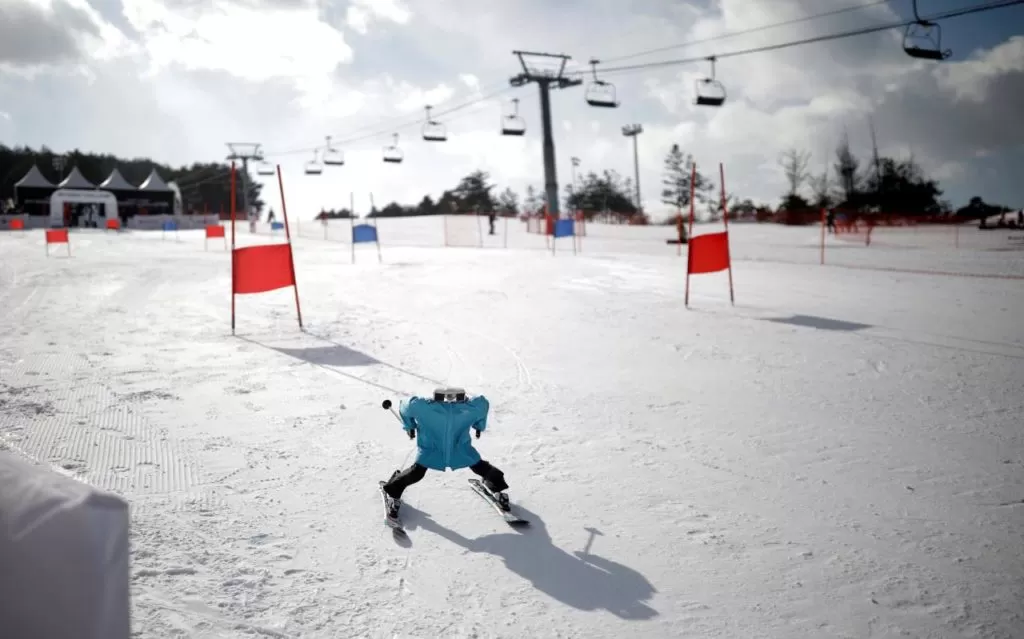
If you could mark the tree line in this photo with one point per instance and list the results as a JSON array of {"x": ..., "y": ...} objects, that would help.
[
  {"x": 883, "y": 185},
  {"x": 201, "y": 184}
]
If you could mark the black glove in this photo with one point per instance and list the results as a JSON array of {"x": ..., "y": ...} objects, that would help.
[
  {"x": 477, "y": 432},
  {"x": 412, "y": 433}
]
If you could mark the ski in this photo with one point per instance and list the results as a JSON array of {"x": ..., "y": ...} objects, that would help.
[
  {"x": 392, "y": 522},
  {"x": 510, "y": 518}
]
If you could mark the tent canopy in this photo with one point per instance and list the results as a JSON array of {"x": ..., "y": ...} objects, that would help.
[
  {"x": 75, "y": 180},
  {"x": 34, "y": 180},
  {"x": 116, "y": 182},
  {"x": 155, "y": 184}
]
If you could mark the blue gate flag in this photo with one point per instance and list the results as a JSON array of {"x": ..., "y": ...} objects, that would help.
[
  {"x": 564, "y": 228},
  {"x": 364, "y": 233}
]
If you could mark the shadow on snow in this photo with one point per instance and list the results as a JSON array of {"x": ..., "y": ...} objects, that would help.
[{"x": 578, "y": 579}]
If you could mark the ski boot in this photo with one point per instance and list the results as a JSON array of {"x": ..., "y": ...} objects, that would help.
[
  {"x": 393, "y": 505},
  {"x": 499, "y": 496}
]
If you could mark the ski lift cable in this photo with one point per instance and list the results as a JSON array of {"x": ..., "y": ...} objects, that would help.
[
  {"x": 740, "y": 32},
  {"x": 990, "y": 6},
  {"x": 625, "y": 69},
  {"x": 380, "y": 129},
  {"x": 384, "y": 126}
]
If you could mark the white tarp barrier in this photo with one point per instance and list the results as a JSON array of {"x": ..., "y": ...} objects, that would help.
[{"x": 64, "y": 556}]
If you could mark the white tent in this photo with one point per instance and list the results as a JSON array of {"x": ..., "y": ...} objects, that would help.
[
  {"x": 75, "y": 180},
  {"x": 154, "y": 184},
  {"x": 61, "y": 197},
  {"x": 116, "y": 182},
  {"x": 34, "y": 180}
]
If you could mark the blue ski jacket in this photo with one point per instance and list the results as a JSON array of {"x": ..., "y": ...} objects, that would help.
[{"x": 443, "y": 435}]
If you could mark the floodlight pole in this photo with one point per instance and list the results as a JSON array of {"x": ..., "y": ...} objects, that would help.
[
  {"x": 245, "y": 151},
  {"x": 634, "y": 131},
  {"x": 545, "y": 80}
]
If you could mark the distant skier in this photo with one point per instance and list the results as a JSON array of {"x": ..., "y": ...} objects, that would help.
[
  {"x": 491, "y": 218},
  {"x": 441, "y": 428}
]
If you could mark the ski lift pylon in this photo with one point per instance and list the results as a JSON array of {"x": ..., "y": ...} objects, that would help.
[
  {"x": 513, "y": 124},
  {"x": 923, "y": 39},
  {"x": 710, "y": 92},
  {"x": 433, "y": 131},
  {"x": 600, "y": 93},
  {"x": 314, "y": 167},
  {"x": 393, "y": 154},
  {"x": 332, "y": 156}
]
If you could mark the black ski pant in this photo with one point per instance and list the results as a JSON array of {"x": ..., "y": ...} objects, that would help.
[{"x": 493, "y": 478}]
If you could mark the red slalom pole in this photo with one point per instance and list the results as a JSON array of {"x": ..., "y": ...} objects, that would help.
[
  {"x": 725, "y": 218},
  {"x": 232, "y": 247},
  {"x": 291, "y": 251}
]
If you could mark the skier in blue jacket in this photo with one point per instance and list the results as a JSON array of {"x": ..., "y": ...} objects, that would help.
[{"x": 441, "y": 428}]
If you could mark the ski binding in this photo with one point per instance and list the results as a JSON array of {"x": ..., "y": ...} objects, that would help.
[
  {"x": 392, "y": 522},
  {"x": 509, "y": 517}
]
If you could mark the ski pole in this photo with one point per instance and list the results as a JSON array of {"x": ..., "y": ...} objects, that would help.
[{"x": 386, "y": 405}]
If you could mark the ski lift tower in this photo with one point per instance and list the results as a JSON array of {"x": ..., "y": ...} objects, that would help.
[
  {"x": 245, "y": 151},
  {"x": 634, "y": 131},
  {"x": 546, "y": 78}
]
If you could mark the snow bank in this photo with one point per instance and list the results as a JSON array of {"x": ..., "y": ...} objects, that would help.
[{"x": 63, "y": 556}]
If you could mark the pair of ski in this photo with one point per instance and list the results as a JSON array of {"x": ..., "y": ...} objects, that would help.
[{"x": 395, "y": 523}]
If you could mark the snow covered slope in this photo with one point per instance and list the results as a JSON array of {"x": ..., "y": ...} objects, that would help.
[{"x": 838, "y": 455}]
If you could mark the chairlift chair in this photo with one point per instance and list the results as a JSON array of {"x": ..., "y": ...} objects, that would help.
[
  {"x": 513, "y": 124},
  {"x": 393, "y": 154},
  {"x": 265, "y": 168},
  {"x": 710, "y": 92},
  {"x": 600, "y": 93},
  {"x": 433, "y": 131},
  {"x": 314, "y": 167},
  {"x": 332, "y": 156},
  {"x": 923, "y": 39}
]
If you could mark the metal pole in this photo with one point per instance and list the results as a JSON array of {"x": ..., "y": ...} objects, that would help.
[
  {"x": 636, "y": 175},
  {"x": 633, "y": 131},
  {"x": 245, "y": 187},
  {"x": 550, "y": 172}
]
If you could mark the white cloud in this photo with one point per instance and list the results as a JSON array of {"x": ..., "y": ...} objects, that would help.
[
  {"x": 361, "y": 13},
  {"x": 190, "y": 75}
]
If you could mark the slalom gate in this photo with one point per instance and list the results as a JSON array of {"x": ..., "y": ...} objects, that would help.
[
  {"x": 57, "y": 236},
  {"x": 113, "y": 224},
  {"x": 169, "y": 226},
  {"x": 364, "y": 233},
  {"x": 708, "y": 252},
  {"x": 258, "y": 269},
  {"x": 17, "y": 224},
  {"x": 214, "y": 231}
]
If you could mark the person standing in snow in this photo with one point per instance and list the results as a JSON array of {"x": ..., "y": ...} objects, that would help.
[{"x": 441, "y": 428}]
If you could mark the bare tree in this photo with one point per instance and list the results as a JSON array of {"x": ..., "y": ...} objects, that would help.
[
  {"x": 794, "y": 166},
  {"x": 821, "y": 189}
]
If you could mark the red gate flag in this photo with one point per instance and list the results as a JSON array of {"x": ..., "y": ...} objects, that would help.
[
  {"x": 17, "y": 224},
  {"x": 258, "y": 269},
  {"x": 57, "y": 236},
  {"x": 708, "y": 253},
  {"x": 113, "y": 225},
  {"x": 214, "y": 230}
]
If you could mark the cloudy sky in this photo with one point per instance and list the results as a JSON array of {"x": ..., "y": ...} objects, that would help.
[{"x": 176, "y": 79}]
